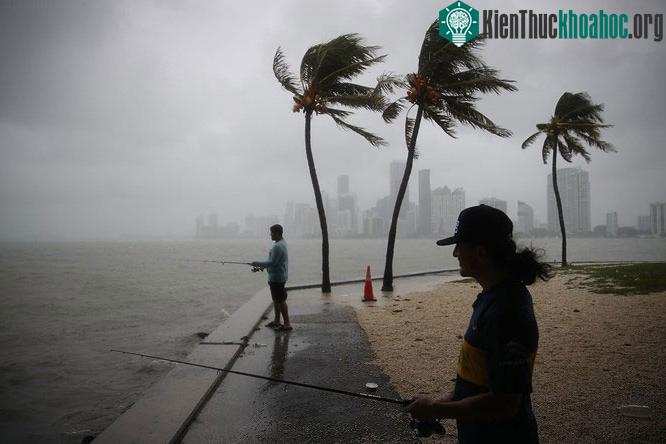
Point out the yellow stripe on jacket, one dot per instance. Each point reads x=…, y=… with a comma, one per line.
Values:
x=472, y=365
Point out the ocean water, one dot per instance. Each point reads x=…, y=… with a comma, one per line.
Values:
x=64, y=305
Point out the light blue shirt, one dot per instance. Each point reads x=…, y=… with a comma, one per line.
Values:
x=277, y=264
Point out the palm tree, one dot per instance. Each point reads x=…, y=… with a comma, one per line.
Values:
x=444, y=91
x=577, y=121
x=325, y=86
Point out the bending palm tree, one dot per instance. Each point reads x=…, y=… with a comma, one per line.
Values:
x=324, y=86
x=576, y=121
x=444, y=91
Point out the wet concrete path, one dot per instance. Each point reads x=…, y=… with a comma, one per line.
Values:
x=327, y=347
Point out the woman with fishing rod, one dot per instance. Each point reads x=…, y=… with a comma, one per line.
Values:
x=491, y=399
x=277, y=267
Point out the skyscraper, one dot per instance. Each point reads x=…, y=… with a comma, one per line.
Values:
x=574, y=186
x=343, y=184
x=397, y=170
x=611, y=224
x=658, y=218
x=446, y=206
x=425, y=203
x=644, y=224
x=347, y=211
x=525, y=218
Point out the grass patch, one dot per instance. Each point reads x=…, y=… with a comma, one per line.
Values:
x=622, y=279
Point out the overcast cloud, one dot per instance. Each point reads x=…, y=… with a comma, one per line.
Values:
x=133, y=117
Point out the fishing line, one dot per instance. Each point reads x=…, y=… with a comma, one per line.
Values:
x=215, y=262
x=282, y=381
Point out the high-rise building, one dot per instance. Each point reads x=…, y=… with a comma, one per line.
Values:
x=425, y=203
x=611, y=224
x=200, y=226
x=343, y=184
x=574, y=187
x=525, y=218
x=289, y=216
x=306, y=220
x=346, y=217
x=457, y=204
x=258, y=226
x=445, y=208
x=213, y=230
x=397, y=171
x=644, y=224
x=373, y=224
x=658, y=218
x=495, y=203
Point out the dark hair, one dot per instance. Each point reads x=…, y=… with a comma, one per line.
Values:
x=523, y=264
x=277, y=228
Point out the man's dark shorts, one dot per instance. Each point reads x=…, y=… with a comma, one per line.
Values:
x=278, y=292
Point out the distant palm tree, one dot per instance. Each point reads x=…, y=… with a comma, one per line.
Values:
x=576, y=121
x=444, y=91
x=324, y=86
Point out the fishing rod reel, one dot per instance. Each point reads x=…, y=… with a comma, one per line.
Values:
x=257, y=269
x=424, y=429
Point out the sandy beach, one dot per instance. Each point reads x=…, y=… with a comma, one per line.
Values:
x=596, y=353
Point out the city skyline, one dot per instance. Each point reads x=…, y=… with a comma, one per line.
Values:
x=437, y=210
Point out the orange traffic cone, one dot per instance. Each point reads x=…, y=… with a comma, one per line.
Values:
x=367, y=291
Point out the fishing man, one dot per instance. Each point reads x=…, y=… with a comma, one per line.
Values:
x=491, y=398
x=277, y=266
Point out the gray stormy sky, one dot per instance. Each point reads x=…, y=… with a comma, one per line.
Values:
x=133, y=117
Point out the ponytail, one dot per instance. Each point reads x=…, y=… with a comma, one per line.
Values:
x=523, y=265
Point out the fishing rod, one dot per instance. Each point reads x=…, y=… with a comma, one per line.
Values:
x=268, y=378
x=217, y=262
x=254, y=269
x=422, y=428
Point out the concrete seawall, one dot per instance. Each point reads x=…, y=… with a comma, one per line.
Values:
x=166, y=409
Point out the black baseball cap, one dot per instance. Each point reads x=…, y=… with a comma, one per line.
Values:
x=479, y=224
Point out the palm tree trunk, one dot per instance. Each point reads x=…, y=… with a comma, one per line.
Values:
x=326, y=279
x=560, y=213
x=387, y=284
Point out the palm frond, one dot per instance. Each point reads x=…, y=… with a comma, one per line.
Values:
x=388, y=83
x=572, y=142
x=349, y=89
x=373, y=102
x=573, y=107
x=393, y=110
x=282, y=73
x=371, y=138
x=463, y=110
x=341, y=58
x=550, y=144
x=351, y=70
x=439, y=58
x=478, y=80
x=597, y=143
x=530, y=140
x=565, y=151
x=437, y=116
x=340, y=113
